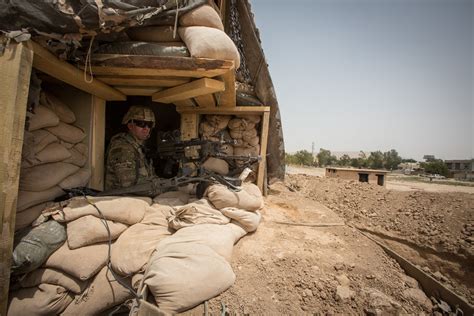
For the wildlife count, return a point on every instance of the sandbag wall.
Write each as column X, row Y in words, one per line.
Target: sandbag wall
column 54, row 157
column 242, row 131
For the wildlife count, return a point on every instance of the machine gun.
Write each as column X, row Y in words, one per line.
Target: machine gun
column 173, row 151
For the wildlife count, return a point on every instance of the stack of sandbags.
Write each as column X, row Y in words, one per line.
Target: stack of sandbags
column 214, row 128
column 243, row 130
column 53, row 158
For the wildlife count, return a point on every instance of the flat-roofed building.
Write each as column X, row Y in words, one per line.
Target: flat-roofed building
column 461, row 168
column 362, row 175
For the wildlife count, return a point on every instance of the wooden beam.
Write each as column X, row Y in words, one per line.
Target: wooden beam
column 262, row 166
column 206, row 101
column 227, row 98
column 189, row 130
column 97, row 143
column 121, row 71
column 142, row 81
column 219, row 110
column 15, row 67
column 49, row 64
column 188, row 103
column 129, row 90
column 188, row 90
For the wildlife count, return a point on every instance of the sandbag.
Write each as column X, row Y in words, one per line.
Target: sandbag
column 249, row 198
column 247, row 150
column 34, row 246
column 181, row 276
column 153, row 34
column 103, row 293
column 77, row 158
column 172, row 198
column 249, row 133
column 64, row 113
column 43, row 177
column 81, row 263
column 252, row 142
column 27, row 199
column 218, row 121
column 68, row 145
column 126, row 210
column 240, row 124
column 41, row 139
column 55, row 277
column 247, row 220
column 67, row 132
column 236, row 134
column 163, row 49
column 133, row 248
column 250, row 118
column 88, row 230
column 207, row 129
column 209, row 42
column 227, row 149
column 28, row 216
column 44, row 299
column 156, row 214
column 53, row 152
column 198, row 212
column 78, row 179
column 217, row 165
column 43, row 117
column 203, row 15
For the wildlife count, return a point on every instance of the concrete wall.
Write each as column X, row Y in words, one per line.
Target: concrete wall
column 354, row 175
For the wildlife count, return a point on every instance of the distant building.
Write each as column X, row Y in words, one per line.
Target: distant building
column 361, row 175
column 409, row 167
column 351, row 154
column 461, row 169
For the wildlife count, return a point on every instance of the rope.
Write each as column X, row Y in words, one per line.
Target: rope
column 176, row 19
column 89, row 62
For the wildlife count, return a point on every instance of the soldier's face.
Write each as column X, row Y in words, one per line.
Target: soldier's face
column 141, row 133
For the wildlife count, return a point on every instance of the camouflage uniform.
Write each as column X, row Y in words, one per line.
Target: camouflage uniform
column 126, row 162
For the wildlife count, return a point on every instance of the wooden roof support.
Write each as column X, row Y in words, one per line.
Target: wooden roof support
column 148, row 81
column 206, row 101
column 129, row 90
column 220, row 110
column 48, row 63
column 227, row 98
column 189, row 90
column 15, row 67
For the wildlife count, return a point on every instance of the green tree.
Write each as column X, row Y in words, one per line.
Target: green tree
column 304, row 157
column 376, row 159
column 325, row 158
column 391, row 159
column 409, row 160
column 345, row 160
column 437, row 166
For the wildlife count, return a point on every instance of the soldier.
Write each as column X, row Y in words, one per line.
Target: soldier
column 126, row 162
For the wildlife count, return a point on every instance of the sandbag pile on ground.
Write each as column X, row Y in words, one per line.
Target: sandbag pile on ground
column 200, row 29
column 53, row 158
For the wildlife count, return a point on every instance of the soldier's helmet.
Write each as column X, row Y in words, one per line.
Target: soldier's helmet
column 139, row 113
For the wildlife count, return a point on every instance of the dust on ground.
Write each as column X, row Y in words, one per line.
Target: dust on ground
column 304, row 259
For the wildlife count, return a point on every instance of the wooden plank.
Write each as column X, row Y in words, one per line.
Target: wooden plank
column 227, row 98
column 219, row 110
column 49, row 64
column 15, row 67
column 206, row 101
column 188, row 90
column 160, row 66
column 97, row 143
column 263, row 151
column 128, row 90
column 189, row 130
column 143, row 81
column 188, row 103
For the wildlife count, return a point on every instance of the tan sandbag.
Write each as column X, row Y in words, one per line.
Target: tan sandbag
column 27, row 147
column 209, row 42
column 247, row 220
column 252, row 142
column 218, row 121
column 153, row 34
column 44, row 299
column 67, row 132
column 28, row 216
column 183, row 275
column 217, row 165
column 198, row 212
column 88, row 230
column 239, row 124
column 133, row 248
column 27, row 199
column 126, row 210
column 250, row 118
column 82, row 148
column 249, row 198
column 249, row 133
column 77, row 158
column 43, row 117
column 53, row 152
column 227, row 149
column 64, row 113
column 203, row 15
column 236, row 134
column 55, row 277
column 68, row 145
column 172, row 198
column 207, row 129
column 81, row 263
column 247, row 150
column 41, row 139
column 78, row 179
column 103, row 293
column 43, row 177
column 156, row 214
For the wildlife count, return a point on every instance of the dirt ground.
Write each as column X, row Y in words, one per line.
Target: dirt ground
column 308, row 257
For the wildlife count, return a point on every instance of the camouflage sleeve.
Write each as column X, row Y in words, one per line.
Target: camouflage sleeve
column 123, row 162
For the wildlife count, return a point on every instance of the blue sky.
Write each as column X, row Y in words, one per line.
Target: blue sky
column 372, row 75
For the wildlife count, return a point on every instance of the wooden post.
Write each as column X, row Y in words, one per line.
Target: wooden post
column 189, row 130
column 15, row 67
column 263, row 152
column 97, row 143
